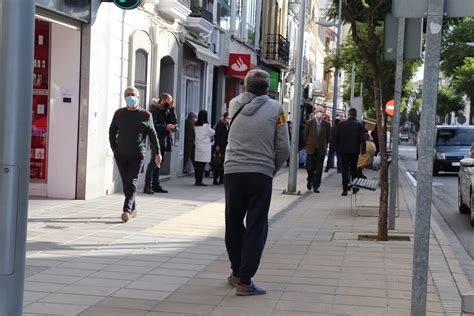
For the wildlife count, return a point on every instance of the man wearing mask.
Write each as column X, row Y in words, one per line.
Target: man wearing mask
column 164, row 118
column 128, row 132
column 317, row 134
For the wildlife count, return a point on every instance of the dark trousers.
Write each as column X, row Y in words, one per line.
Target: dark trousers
column 349, row 165
column 314, row 167
column 198, row 170
column 331, row 154
column 129, row 168
column 152, row 175
column 246, row 194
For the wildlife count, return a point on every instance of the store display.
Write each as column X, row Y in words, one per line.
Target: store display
column 39, row 129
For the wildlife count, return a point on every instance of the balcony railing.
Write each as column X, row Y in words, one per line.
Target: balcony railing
column 277, row 48
column 187, row 3
column 199, row 10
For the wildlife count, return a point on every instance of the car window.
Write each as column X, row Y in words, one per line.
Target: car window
column 455, row 137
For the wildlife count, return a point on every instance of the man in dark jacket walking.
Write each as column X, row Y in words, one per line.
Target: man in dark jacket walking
column 317, row 134
column 164, row 118
column 349, row 137
column 128, row 132
column 222, row 133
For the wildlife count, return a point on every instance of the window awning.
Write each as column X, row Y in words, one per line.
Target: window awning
column 204, row 54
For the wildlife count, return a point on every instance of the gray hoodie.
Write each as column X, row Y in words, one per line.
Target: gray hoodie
column 258, row 138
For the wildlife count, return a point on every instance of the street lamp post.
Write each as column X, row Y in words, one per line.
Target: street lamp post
column 336, row 71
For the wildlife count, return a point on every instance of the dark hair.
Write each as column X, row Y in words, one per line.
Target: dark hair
column 352, row 112
column 257, row 82
column 202, row 118
column 225, row 115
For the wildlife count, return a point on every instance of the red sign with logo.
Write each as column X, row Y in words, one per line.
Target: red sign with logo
column 239, row 64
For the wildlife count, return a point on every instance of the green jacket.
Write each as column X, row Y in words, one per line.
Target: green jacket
column 128, row 132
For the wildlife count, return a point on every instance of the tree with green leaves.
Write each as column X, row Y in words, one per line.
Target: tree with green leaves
column 448, row 101
column 463, row 79
column 454, row 47
column 366, row 19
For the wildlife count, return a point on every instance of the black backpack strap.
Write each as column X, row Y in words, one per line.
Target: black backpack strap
column 237, row 113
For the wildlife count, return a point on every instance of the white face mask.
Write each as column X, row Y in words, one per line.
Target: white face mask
column 319, row 115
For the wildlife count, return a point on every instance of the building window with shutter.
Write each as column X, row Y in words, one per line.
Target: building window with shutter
column 141, row 74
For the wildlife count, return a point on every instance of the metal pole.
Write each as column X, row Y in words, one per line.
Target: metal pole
column 297, row 101
column 353, row 84
column 396, row 124
column 16, row 93
column 336, row 71
column 361, row 89
column 425, row 161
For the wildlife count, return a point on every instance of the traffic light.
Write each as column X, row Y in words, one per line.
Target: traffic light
column 127, row 4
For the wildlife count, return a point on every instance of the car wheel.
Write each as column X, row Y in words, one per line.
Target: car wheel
column 435, row 170
column 472, row 219
column 463, row 208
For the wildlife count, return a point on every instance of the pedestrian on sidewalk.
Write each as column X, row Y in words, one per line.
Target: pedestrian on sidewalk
column 317, row 134
column 128, row 132
column 258, row 146
column 366, row 160
column 218, row 156
column 332, row 152
column 203, row 146
column 189, row 137
column 164, row 118
column 350, row 141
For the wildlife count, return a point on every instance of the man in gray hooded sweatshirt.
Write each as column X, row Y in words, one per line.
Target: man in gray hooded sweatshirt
column 258, row 145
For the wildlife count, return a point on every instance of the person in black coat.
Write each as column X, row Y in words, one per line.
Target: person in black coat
column 217, row 162
column 164, row 119
column 349, row 138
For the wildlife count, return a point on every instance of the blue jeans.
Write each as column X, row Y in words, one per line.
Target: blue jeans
column 152, row 175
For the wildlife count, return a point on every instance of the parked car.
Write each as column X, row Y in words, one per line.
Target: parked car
column 452, row 143
column 465, row 188
column 404, row 137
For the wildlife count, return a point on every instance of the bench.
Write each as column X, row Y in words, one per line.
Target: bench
column 361, row 183
column 367, row 184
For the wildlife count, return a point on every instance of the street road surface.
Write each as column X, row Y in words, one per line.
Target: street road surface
column 455, row 225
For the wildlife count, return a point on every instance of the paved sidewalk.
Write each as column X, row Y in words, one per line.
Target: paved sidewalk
column 171, row 259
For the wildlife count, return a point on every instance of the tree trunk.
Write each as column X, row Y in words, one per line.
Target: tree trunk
column 381, row 129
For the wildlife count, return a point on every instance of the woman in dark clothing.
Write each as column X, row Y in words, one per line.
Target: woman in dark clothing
column 217, row 161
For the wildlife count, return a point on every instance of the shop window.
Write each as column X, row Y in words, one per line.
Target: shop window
column 141, row 73
column 223, row 14
column 251, row 21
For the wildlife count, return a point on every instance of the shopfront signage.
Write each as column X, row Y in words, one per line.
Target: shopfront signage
column 273, row 81
column 239, row 64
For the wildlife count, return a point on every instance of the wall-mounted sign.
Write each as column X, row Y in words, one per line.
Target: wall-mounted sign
column 239, row 64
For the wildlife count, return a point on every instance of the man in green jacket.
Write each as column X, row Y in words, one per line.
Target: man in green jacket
column 127, row 136
column 317, row 134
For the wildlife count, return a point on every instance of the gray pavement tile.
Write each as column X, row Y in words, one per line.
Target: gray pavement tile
column 54, row 309
column 75, row 299
column 223, row 289
column 31, row 296
column 361, row 300
column 175, row 307
column 308, row 297
column 182, row 266
column 51, row 278
column 258, row 301
column 43, row 262
column 82, row 265
column 102, row 282
column 126, row 269
column 141, row 294
column 88, row 290
column 239, row 311
column 131, row 276
column 128, row 303
column 153, row 286
column 311, row 288
column 195, row 298
column 299, row 306
column 172, row 272
column 110, row 311
column 68, row 272
column 42, row 286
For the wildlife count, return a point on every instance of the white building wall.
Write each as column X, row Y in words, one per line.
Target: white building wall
column 109, row 67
